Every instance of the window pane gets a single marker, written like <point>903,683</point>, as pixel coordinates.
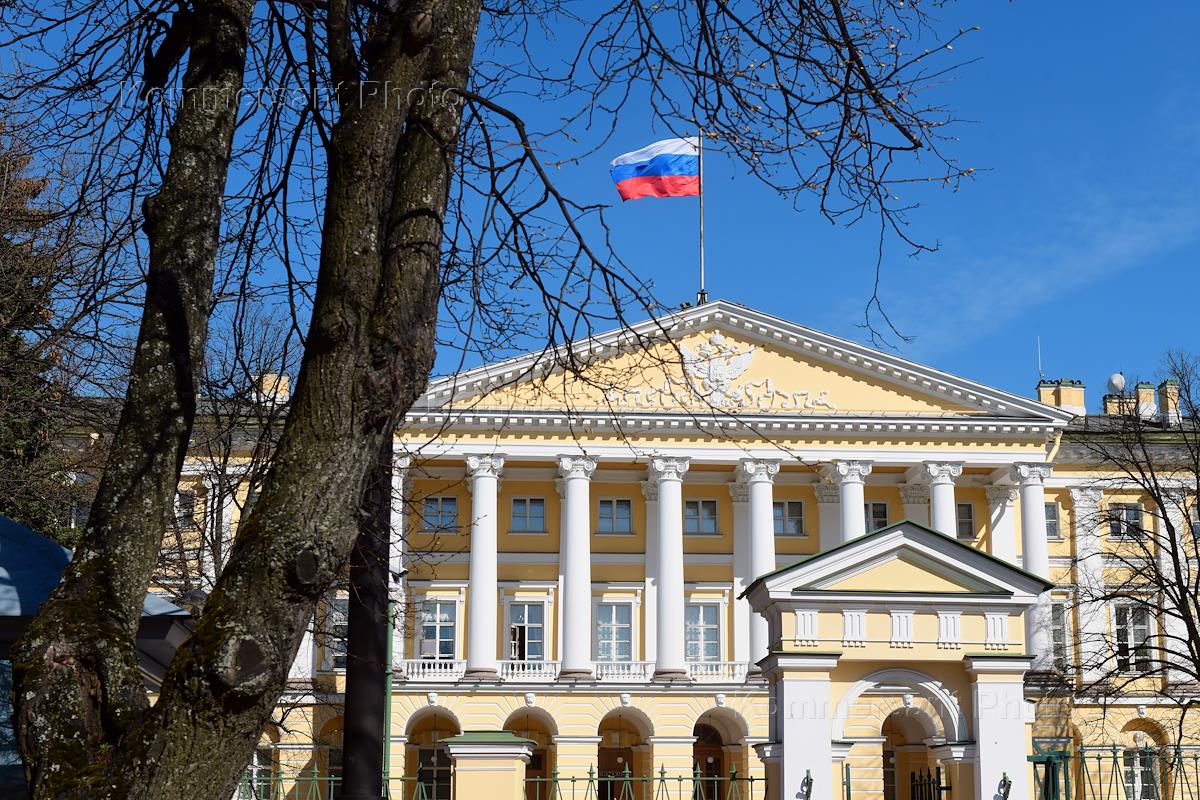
<point>622,614</point>
<point>693,615</point>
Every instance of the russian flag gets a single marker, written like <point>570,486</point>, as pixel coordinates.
<point>670,168</point>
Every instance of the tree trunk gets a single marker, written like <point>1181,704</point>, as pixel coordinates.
<point>364,723</point>
<point>367,358</point>
<point>79,689</point>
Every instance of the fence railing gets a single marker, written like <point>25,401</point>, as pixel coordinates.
<point>627,786</point>
<point>312,784</point>
<point>1117,773</point>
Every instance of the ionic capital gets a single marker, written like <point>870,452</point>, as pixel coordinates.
<point>912,494</point>
<point>1086,500</point>
<point>573,466</point>
<point>668,469</point>
<point>942,472</point>
<point>999,496</point>
<point>1028,473</point>
<point>827,492</point>
<point>739,491</point>
<point>754,470</point>
<point>488,466</point>
<point>650,490</point>
<point>847,471</point>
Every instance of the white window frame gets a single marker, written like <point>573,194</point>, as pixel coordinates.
<point>419,627</point>
<point>1133,775</point>
<point>716,518</point>
<point>787,515</point>
<point>1068,638</point>
<point>1119,511</point>
<point>1131,668</point>
<point>1057,534</point>
<point>440,499</point>
<point>544,602</point>
<point>183,518</point>
<point>599,515</point>
<point>720,606</point>
<point>633,643</point>
<point>958,519</point>
<point>868,513</point>
<point>512,516</point>
<point>330,643</point>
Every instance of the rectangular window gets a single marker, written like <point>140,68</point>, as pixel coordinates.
<point>439,514</point>
<point>526,632</point>
<point>185,509</point>
<point>965,520</point>
<point>700,516</point>
<point>702,632</point>
<point>528,515</point>
<point>251,501</point>
<point>1125,520</point>
<point>79,513</point>
<point>437,629</point>
<point>1052,529</point>
<point>789,518</point>
<point>877,516</point>
<point>259,778</point>
<point>614,632</point>
<point>615,516</point>
<point>337,619</point>
<point>1133,638</point>
<point>1058,634</point>
<point>1141,773</point>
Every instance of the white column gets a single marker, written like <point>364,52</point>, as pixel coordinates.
<point>803,720</point>
<point>670,662</point>
<point>829,520</point>
<point>760,477</point>
<point>1175,644</point>
<point>849,476</point>
<point>915,498</point>
<point>576,547</point>
<point>650,595</point>
<point>401,484</point>
<point>1002,522</point>
<point>742,613</point>
<point>1000,716</point>
<point>1035,557</point>
<point>1089,582</point>
<point>943,516</point>
<point>484,472</point>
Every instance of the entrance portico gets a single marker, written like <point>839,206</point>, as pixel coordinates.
<point>881,683</point>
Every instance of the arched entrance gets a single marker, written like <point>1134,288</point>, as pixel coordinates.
<point>535,724</point>
<point>426,756</point>
<point>624,750</point>
<point>905,751</point>
<point>708,756</point>
<point>1143,765</point>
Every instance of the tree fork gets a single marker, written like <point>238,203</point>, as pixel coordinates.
<point>79,689</point>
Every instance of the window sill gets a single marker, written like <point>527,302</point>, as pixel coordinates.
<point>791,536</point>
<point>625,534</point>
<point>712,535</point>
<point>528,533</point>
<point>439,533</point>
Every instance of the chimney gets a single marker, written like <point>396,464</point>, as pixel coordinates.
<point>1118,404</point>
<point>272,387</point>
<point>1147,406</point>
<point>1168,402</point>
<point>1065,393</point>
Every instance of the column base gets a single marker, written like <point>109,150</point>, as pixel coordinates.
<point>1045,682</point>
<point>670,675</point>
<point>576,675</point>
<point>481,674</point>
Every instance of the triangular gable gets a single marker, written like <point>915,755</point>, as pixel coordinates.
<point>733,359</point>
<point>905,558</point>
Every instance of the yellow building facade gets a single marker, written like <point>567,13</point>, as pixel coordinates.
<point>721,544</point>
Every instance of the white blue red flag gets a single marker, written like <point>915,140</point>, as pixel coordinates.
<point>670,168</point>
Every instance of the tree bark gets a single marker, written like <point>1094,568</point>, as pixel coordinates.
<point>79,689</point>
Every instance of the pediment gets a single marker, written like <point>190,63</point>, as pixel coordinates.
<point>905,559</point>
<point>725,359</point>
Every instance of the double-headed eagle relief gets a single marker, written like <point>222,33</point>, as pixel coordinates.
<point>713,368</point>
<point>710,378</point>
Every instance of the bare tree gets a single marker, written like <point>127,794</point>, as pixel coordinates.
<point>1137,553</point>
<point>407,201</point>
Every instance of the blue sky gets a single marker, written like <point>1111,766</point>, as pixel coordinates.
<point>1082,227</point>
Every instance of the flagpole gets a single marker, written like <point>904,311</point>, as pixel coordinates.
<point>701,296</point>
